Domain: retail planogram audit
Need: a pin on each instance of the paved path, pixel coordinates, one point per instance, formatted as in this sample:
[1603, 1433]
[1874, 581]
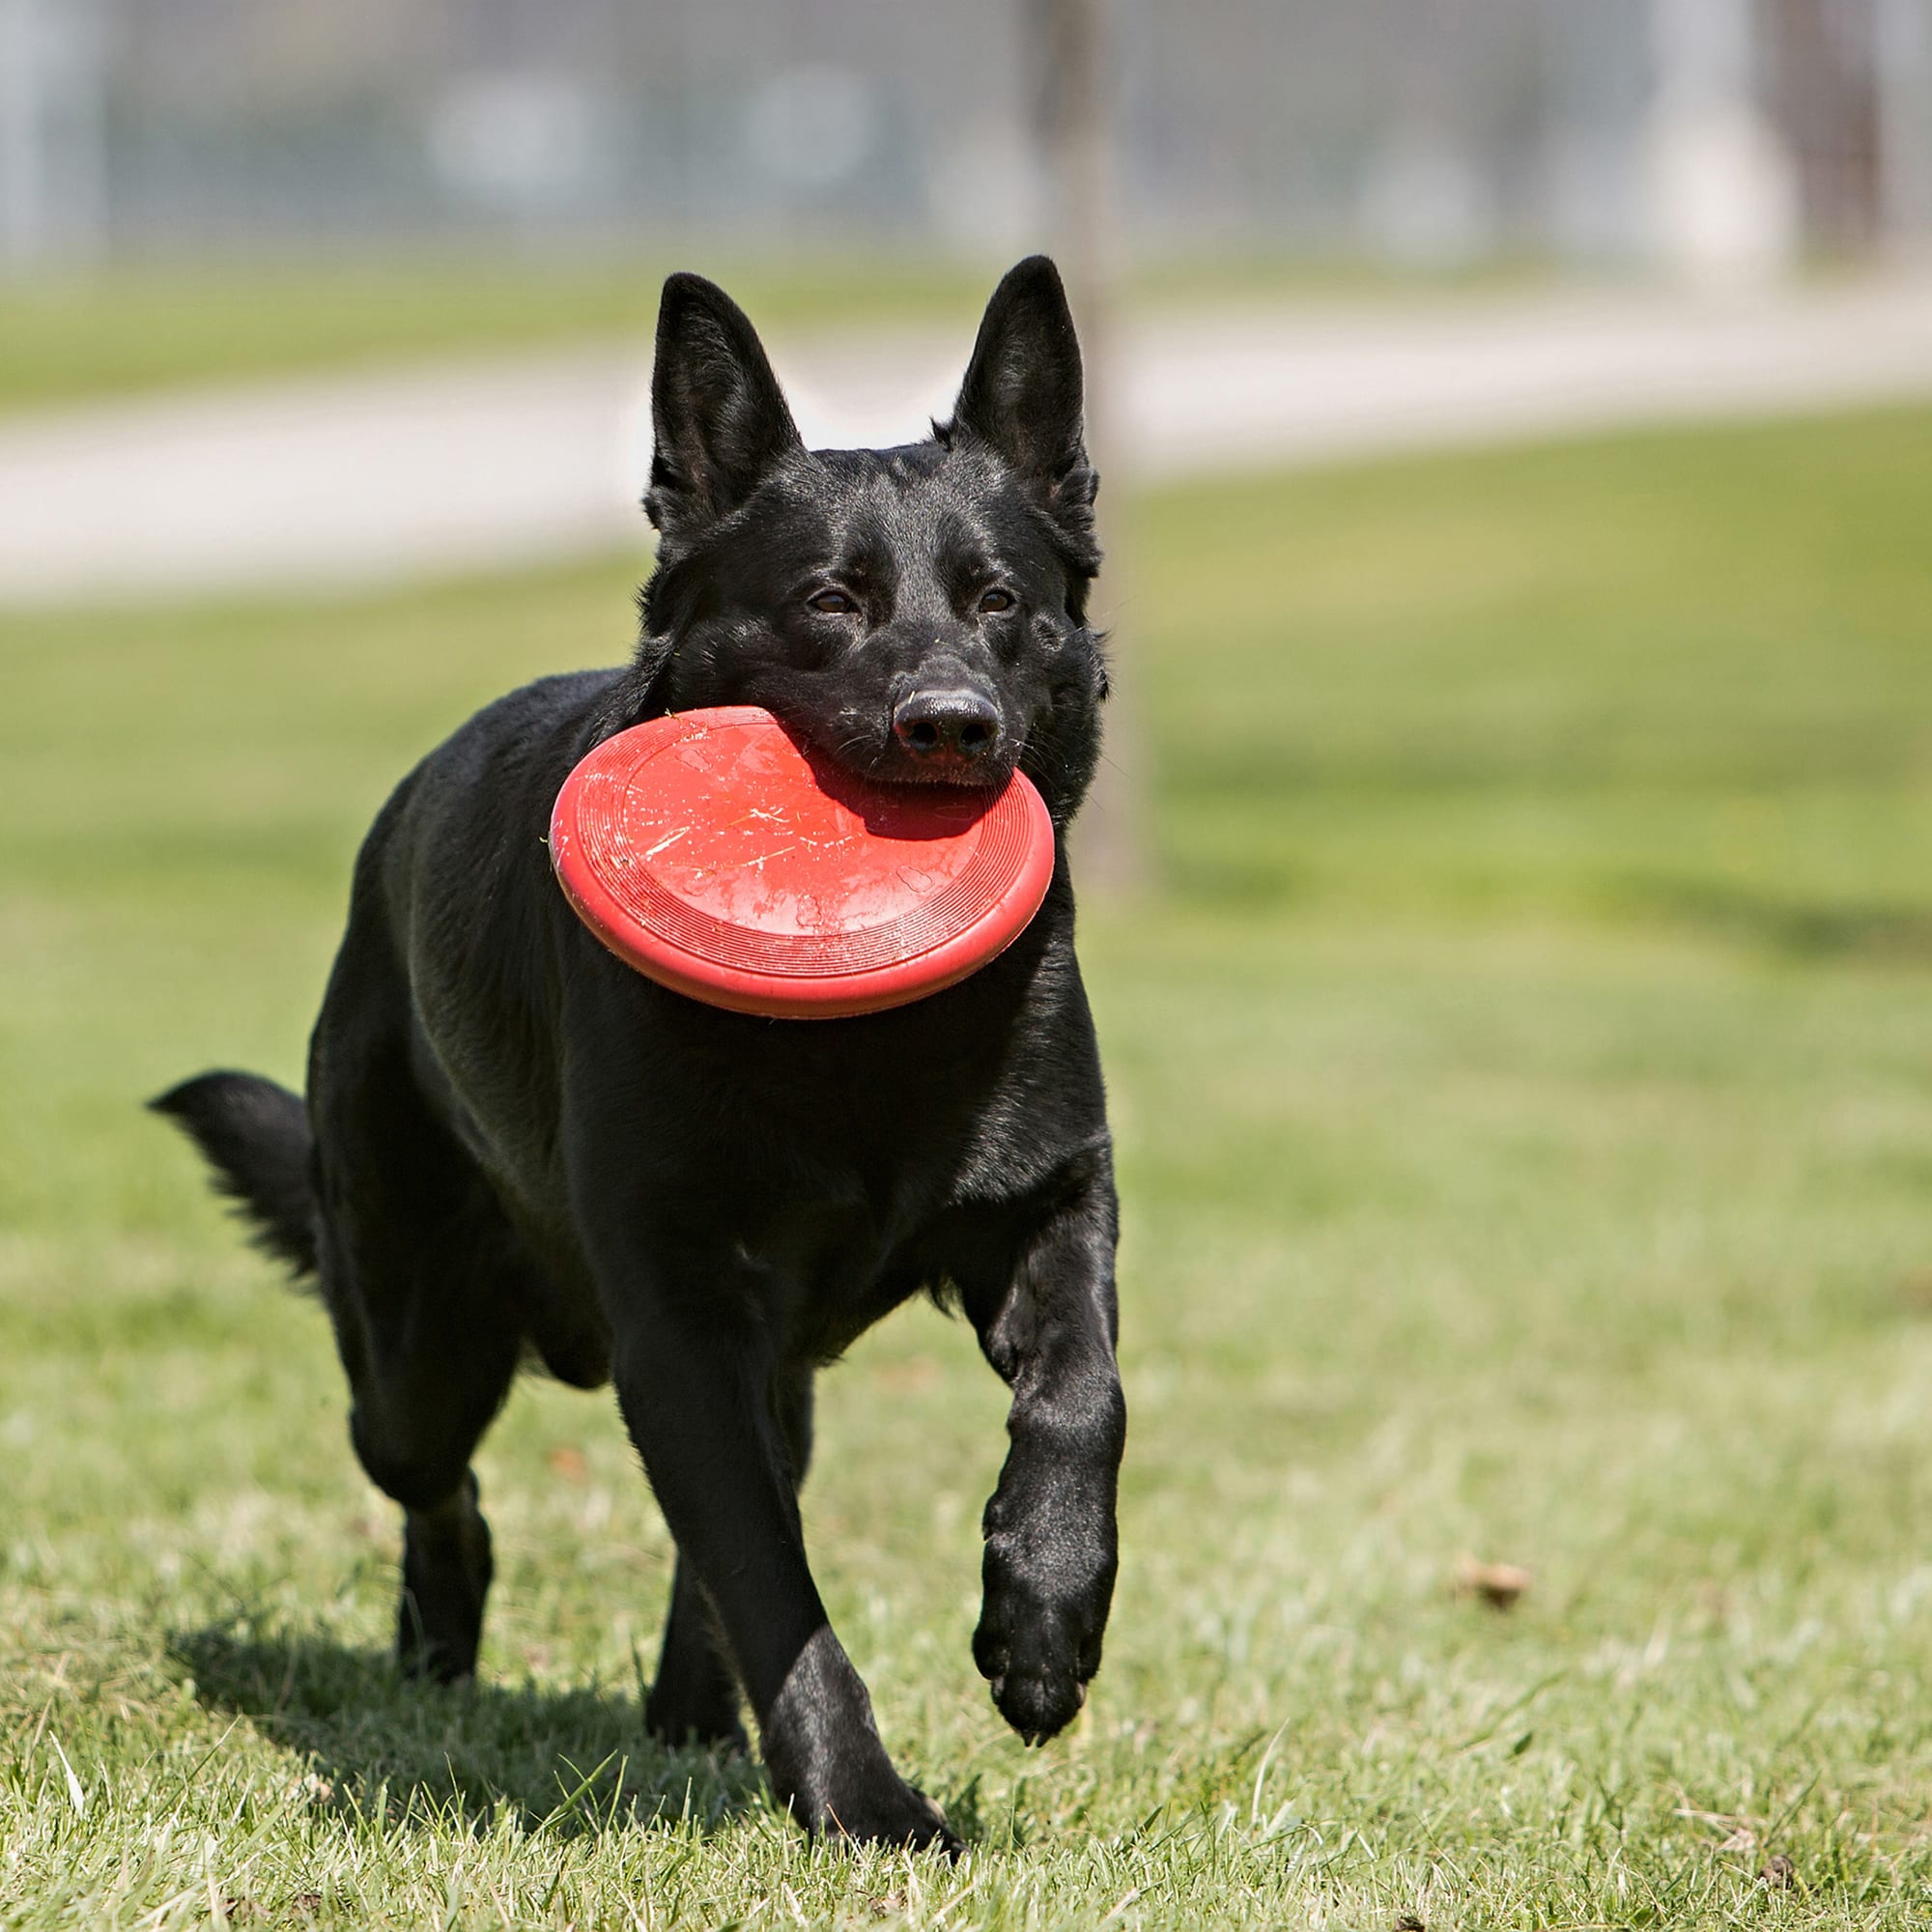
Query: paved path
[332, 482]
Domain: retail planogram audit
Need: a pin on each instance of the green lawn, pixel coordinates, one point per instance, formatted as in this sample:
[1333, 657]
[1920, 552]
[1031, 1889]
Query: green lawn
[143, 329]
[1524, 1091]
[132, 329]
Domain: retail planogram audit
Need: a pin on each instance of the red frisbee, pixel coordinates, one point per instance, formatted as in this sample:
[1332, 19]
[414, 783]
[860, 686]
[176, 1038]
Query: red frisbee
[720, 857]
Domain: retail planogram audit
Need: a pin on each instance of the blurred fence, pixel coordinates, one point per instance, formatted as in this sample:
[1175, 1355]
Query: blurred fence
[1721, 134]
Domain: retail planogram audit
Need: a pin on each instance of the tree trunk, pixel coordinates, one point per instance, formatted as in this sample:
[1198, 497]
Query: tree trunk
[1069, 52]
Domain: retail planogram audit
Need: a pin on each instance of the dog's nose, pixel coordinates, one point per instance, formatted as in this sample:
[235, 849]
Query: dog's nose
[955, 727]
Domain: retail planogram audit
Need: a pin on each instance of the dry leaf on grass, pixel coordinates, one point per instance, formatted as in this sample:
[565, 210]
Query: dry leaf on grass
[1498, 1584]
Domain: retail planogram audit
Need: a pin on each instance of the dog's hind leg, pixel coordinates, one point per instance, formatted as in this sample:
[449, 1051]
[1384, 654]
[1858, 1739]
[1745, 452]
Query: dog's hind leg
[429, 1370]
[695, 1694]
[419, 1268]
[423, 1393]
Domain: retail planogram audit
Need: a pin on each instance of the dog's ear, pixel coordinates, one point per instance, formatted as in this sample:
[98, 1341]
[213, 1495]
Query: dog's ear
[1022, 392]
[717, 412]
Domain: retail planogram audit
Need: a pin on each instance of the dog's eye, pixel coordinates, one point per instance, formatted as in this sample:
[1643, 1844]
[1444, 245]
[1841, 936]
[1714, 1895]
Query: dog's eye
[997, 600]
[832, 603]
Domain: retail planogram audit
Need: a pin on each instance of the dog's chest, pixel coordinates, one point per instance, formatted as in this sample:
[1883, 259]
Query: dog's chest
[820, 1200]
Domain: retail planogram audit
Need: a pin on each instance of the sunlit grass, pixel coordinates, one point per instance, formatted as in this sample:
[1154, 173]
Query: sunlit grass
[131, 329]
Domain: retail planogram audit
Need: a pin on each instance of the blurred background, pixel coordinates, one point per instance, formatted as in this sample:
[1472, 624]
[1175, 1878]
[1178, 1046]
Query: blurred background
[1647, 209]
[1516, 989]
[1710, 136]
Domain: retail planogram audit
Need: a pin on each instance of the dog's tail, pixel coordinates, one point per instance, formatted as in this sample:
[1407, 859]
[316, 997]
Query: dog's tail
[255, 1136]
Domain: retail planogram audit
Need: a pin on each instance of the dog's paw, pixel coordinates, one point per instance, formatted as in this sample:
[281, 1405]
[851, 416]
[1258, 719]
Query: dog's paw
[1038, 1640]
[827, 1766]
[884, 1809]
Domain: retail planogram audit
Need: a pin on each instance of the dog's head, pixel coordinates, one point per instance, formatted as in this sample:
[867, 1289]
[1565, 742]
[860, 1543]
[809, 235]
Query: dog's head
[916, 614]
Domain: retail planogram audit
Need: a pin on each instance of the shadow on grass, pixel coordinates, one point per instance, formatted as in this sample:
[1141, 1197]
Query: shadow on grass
[571, 1761]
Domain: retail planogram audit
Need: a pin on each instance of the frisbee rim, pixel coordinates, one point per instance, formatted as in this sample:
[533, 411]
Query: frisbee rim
[877, 989]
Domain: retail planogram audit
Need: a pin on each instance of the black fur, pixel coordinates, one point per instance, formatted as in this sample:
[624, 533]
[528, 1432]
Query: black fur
[254, 1134]
[514, 1145]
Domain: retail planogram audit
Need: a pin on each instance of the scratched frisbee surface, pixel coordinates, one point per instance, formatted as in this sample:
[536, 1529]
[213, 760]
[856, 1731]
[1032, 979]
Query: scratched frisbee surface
[716, 853]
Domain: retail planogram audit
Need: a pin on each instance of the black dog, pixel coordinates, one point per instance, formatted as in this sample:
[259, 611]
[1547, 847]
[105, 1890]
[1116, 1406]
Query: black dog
[514, 1145]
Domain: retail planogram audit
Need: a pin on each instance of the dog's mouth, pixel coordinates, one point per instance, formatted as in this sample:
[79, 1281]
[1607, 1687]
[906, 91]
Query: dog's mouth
[899, 754]
[986, 774]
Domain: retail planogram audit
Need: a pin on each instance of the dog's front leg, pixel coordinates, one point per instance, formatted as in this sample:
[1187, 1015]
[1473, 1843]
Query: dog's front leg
[695, 1386]
[1051, 1546]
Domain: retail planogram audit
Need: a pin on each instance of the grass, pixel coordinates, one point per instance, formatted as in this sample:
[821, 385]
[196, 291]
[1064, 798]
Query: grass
[139, 328]
[1524, 1091]
[134, 329]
